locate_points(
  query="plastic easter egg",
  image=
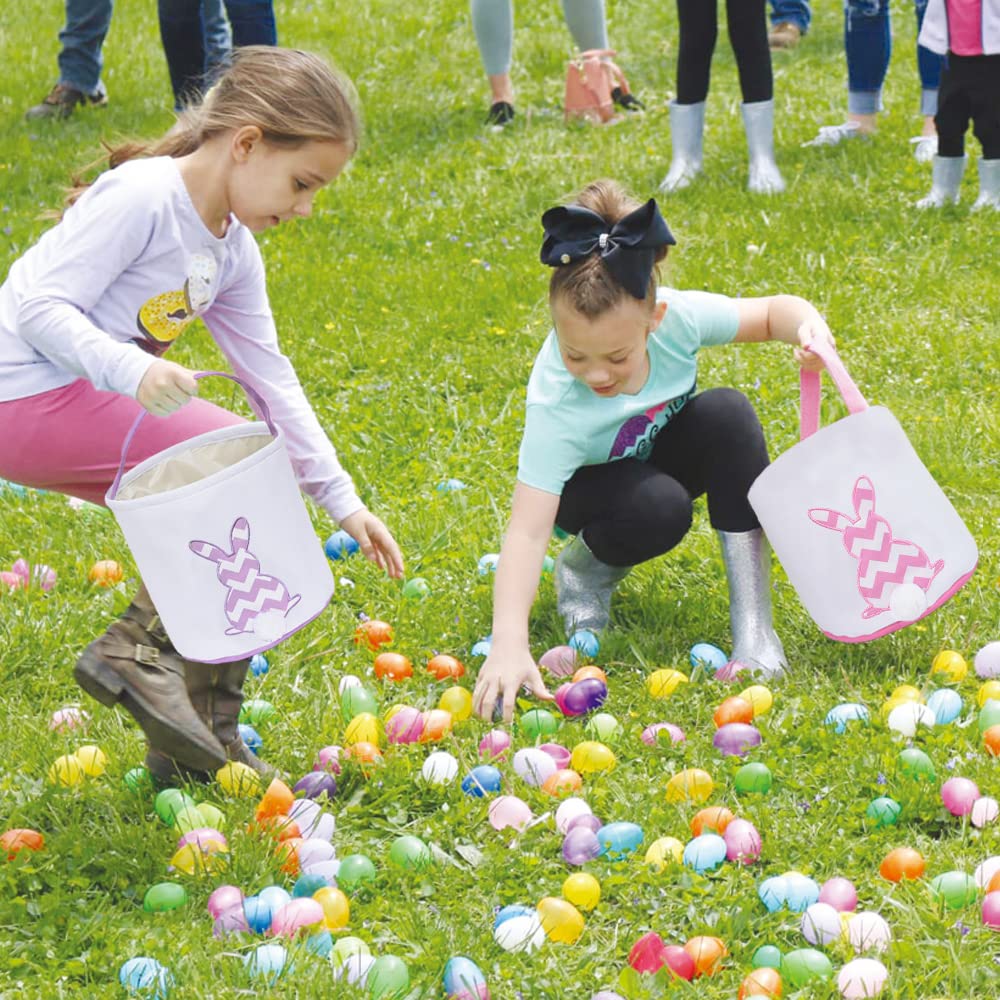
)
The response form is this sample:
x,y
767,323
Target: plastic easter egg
x,y
437,725
915,764
563,782
862,978
314,850
520,934
735,739
388,978
950,665
405,725
170,802
67,771
258,914
346,682
373,634
559,661
355,871
230,921
867,931
482,647
663,683
763,982
450,486
348,947
707,952
537,723
711,819
146,975
991,741
742,841
902,862
759,697
651,734
841,715
946,705
440,768
276,801
316,785
989,715
569,810
417,589
308,884
753,778
357,700
840,893
690,785
590,757
590,670
494,744
137,780
767,956
295,917
251,738
603,726
589,822
106,573
335,905
510,911
987,661
444,667
984,811
958,794
410,853
482,781
883,811
354,968
328,759
561,920
363,728
991,910
68,718
646,955
340,545
308,817
585,642
607,995
907,718
487,564
820,924
805,965
735,709
773,892
705,853
255,711
509,811
664,851
457,701
534,766
20,839
259,665
990,691
580,846
187,820
464,980
585,696
558,753
582,890
267,961
707,656
954,889
986,872
238,779
560,699
392,667
619,839
801,892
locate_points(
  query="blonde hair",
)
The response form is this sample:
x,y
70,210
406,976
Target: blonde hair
x,y
586,284
291,96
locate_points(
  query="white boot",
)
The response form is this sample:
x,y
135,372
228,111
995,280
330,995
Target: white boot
x,y
945,182
758,121
989,185
687,127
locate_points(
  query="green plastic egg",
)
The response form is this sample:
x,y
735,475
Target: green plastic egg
x,y
754,777
164,896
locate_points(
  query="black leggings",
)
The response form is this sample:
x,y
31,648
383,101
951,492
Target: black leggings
x,y
699,24
631,511
970,88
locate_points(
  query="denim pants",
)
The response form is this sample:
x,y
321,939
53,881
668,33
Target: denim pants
x,y
797,12
868,43
81,40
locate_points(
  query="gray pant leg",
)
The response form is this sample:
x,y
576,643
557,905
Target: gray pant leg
x,y
587,23
493,23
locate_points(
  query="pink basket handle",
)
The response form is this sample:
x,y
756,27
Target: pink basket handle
x,y
810,388
255,398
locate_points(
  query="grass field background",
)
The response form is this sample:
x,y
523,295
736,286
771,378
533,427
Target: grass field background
x,y
412,304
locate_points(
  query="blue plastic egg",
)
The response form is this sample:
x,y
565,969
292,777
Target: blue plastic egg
x,y
618,839
801,893
267,960
463,978
773,892
251,737
487,564
705,852
840,715
259,665
584,641
320,943
482,648
306,885
145,974
514,910
275,897
946,705
704,654
481,781
340,545
450,486
258,914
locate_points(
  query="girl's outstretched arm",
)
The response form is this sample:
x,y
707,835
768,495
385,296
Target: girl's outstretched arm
x,y
788,318
510,663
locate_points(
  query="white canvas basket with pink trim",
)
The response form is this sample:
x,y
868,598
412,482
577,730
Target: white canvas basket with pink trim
x,y
865,534
222,539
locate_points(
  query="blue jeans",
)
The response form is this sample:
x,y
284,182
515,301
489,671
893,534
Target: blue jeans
x,y
868,43
797,12
82,37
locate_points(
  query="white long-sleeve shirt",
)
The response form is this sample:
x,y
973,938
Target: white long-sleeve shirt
x,y
965,27
129,267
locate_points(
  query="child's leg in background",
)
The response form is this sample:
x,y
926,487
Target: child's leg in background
x,y
493,25
587,23
868,44
182,33
984,84
929,67
218,40
952,119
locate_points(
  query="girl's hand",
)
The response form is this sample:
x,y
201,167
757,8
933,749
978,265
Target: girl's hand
x,y
165,387
810,330
376,541
502,675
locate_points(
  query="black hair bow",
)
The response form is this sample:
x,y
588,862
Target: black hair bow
x,y
628,248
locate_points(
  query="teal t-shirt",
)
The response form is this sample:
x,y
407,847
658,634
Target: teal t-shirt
x,y
568,425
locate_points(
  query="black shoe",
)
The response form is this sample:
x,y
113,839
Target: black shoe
x,y
627,102
501,113
62,99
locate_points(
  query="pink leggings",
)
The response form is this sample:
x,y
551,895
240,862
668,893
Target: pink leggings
x,y
70,439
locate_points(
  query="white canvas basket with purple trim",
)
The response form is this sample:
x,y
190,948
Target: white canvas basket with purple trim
x,y
222,539
865,534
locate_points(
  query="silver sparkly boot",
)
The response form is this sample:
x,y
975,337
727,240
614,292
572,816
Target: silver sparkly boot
x,y
989,185
687,127
748,571
946,179
584,586
758,122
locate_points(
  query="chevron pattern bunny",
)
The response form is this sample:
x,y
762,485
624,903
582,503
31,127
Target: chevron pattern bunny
x,y
884,562
253,599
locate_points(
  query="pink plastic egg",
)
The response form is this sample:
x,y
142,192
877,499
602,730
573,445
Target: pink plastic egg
x,y
742,841
862,978
984,810
559,660
839,893
958,794
328,759
509,810
202,836
226,897
558,753
867,931
650,735
991,910
295,916
820,924
494,744
405,726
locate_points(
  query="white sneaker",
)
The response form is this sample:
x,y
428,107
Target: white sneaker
x,y
834,135
925,147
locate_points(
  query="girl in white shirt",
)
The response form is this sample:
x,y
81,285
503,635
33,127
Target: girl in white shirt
x,y
162,239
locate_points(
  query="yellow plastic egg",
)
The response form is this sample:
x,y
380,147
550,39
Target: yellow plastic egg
x,y
193,859
67,771
760,697
458,701
664,850
363,728
989,690
951,664
663,683
239,779
560,919
591,756
92,759
690,785
906,692
336,907
582,890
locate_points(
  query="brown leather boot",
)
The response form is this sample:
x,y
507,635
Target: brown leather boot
x,y
135,664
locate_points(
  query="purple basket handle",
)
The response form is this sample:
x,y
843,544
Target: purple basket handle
x,y
255,398
810,389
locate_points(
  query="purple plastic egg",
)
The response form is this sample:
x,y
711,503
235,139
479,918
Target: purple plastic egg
x,y
494,744
558,753
231,921
316,785
559,660
586,695
742,841
840,894
405,726
560,696
958,795
580,846
734,739
224,898
588,821
650,734
328,759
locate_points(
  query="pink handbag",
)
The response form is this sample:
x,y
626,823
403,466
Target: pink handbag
x,y
590,78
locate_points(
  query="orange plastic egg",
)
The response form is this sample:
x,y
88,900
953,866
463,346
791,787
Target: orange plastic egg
x,y
280,827
590,671
564,782
735,709
20,839
106,573
445,667
764,982
277,800
365,752
287,852
393,666
903,862
707,952
991,740
714,818
994,884
373,634
437,725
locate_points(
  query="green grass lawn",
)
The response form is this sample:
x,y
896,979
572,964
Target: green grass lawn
x,y
412,304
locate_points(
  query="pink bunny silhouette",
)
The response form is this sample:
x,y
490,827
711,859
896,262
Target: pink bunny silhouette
x,y
250,592
884,562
